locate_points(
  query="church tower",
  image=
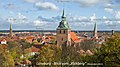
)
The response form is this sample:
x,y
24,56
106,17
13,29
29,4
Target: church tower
x,y
63,32
95,34
10,33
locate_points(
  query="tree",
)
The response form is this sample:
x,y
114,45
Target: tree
x,y
48,53
88,44
6,60
17,49
24,43
109,53
16,52
12,44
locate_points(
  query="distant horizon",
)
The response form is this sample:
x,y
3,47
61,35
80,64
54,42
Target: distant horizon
x,y
53,30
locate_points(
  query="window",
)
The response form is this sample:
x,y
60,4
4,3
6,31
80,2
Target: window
x,y
60,31
64,32
62,39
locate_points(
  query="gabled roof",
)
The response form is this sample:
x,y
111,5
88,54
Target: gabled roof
x,y
26,62
82,51
89,52
29,37
4,46
3,40
74,37
34,49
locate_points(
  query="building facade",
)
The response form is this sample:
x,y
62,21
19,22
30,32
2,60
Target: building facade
x,y
63,32
64,35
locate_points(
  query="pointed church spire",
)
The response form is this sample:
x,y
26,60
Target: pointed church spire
x,y
95,31
95,28
113,32
63,24
10,26
63,14
10,30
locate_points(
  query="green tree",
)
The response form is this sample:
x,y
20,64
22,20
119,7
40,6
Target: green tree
x,y
12,44
88,44
24,43
45,54
109,53
6,60
16,52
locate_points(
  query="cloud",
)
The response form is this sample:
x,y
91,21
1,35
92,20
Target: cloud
x,y
93,17
107,22
78,19
117,16
43,18
18,19
39,23
109,5
51,19
110,23
10,6
32,1
104,17
46,5
41,5
21,18
88,3
110,10
117,1
11,20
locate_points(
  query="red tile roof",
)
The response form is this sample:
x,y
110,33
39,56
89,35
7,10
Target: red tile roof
x,y
26,62
29,37
4,46
34,49
74,37
89,52
3,40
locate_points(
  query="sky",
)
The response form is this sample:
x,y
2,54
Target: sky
x,y
46,14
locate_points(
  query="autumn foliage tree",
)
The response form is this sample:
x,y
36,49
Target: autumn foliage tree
x,y
6,60
109,53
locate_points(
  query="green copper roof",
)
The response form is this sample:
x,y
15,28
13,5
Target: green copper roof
x,y
63,24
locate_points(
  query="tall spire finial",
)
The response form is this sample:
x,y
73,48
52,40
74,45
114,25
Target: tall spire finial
x,y
63,14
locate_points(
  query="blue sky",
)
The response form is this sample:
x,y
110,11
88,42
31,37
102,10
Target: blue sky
x,y
46,14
